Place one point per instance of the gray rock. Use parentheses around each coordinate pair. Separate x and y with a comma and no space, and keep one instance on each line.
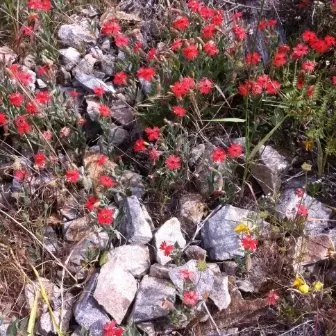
(150,298)
(92,108)
(115,291)
(3,326)
(203,281)
(108,64)
(245,286)
(219,294)
(137,223)
(160,271)
(269,169)
(117,136)
(78,34)
(75,230)
(317,211)
(89,82)
(29,61)
(218,235)
(47,326)
(88,314)
(131,258)
(122,111)
(70,57)
(195,252)
(169,232)
(106,44)
(85,66)
(94,242)
(196,153)
(41,84)
(132,182)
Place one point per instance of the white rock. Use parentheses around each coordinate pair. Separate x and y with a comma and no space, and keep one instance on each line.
(115,291)
(130,258)
(219,294)
(169,232)
(70,57)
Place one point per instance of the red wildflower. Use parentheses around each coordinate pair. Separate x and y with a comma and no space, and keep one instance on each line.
(299,192)
(138,46)
(121,40)
(239,32)
(167,249)
(151,54)
(190,52)
(154,154)
(73,93)
(236,16)
(308,66)
(98,91)
(273,87)
(262,80)
(72,175)
(320,46)
(205,12)
(255,88)
(110,28)
(139,146)
(91,203)
(205,86)
(20,175)
(107,181)
(39,5)
(253,58)
(120,78)
(181,23)
(249,243)
(330,41)
(300,82)
(27,30)
(179,111)
(208,31)
(284,48)
(111,329)
(104,111)
(218,155)
(279,59)
(235,150)
(43,70)
(176,45)
(301,210)
(262,25)
(299,51)
(22,126)
(310,91)
(217,18)
(42,97)
(102,160)
(40,160)
(188,82)
(105,216)
(194,6)
(272,298)
(152,133)
(16,99)
(308,36)
(190,298)
(23,77)
(173,162)
(146,73)
(47,135)
(333,80)
(185,274)
(3,119)
(244,88)
(210,48)
(179,89)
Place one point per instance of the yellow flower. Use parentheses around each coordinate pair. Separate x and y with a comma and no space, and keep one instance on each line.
(308,143)
(317,286)
(298,281)
(304,289)
(242,228)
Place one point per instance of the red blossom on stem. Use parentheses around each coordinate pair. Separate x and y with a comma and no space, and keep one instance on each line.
(111,329)
(205,86)
(110,28)
(120,78)
(139,145)
(16,99)
(181,23)
(302,211)
(107,181)
(249,243)
(72,175)
(173,162)
(190,52)
(91,202)
(40,160)
(210,48)
(105,216)
(218,155)
(152,133)
(179,111)
(166,248)
(190,298)
(235,150)
(146,73)
(272,298)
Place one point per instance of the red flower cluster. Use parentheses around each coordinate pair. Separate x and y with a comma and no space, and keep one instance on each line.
(205,86)
(110,28)
(139,145)
(121,40)
(181,23)
(3,119)
(120,78)
(190,52)
(265,24)
(40,160)
(179,111)
(98,91)
(249,243)
(22,126)
(210,48)
(183,86)
(208,31)
(263,83)
(272,298)
(173,162)
(107,181)
(233,151)
(302,211)
(16,99)
(166,248)
(72,175)
(111,329)
(18,74)
(104,111)
(252,58)
(153,134)
(239,32)
(105,216)
(190,298)
(39,5)
(317,44)
(146,73)
(91,203)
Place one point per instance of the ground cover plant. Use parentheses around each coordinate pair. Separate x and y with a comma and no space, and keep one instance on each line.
(198,129)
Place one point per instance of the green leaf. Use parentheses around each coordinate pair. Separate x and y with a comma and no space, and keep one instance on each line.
(103,258)
(238,120)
